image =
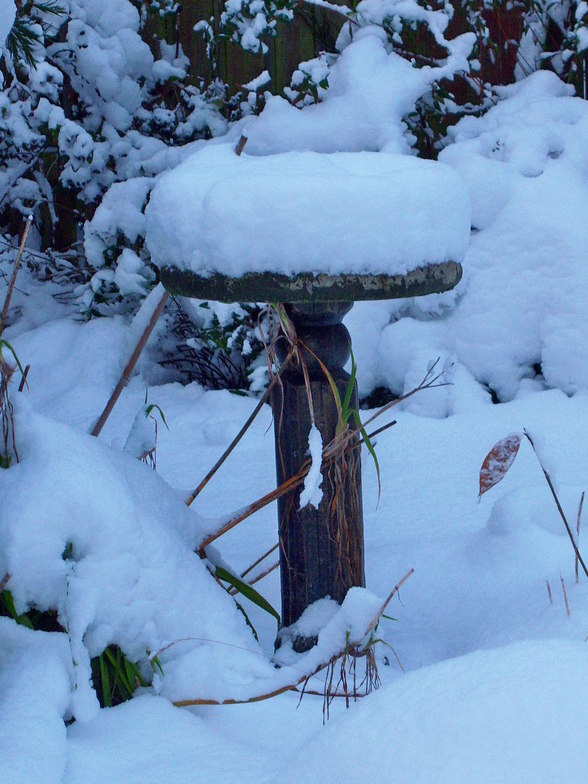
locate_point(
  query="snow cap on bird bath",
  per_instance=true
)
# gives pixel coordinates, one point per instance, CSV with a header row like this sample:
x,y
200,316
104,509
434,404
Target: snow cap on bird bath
x,y
219,223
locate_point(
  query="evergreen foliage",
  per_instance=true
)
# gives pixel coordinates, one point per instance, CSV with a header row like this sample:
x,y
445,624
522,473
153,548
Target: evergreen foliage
x,y
95,106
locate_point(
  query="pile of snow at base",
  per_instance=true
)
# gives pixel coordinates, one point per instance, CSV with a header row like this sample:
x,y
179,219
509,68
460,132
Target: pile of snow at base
x,y
35,687
326,213
517,309
508,715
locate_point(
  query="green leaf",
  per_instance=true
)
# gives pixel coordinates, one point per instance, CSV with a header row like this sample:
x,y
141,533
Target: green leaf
x,y
105,683
13,352
150,408
247,591
345,411
370,448
8,601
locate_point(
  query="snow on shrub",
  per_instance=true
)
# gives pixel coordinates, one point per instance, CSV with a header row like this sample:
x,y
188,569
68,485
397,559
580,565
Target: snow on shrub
x,y
514,322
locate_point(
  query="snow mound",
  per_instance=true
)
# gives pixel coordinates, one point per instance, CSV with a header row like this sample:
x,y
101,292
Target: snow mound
x,y
96,535
516,315
344,212
508,715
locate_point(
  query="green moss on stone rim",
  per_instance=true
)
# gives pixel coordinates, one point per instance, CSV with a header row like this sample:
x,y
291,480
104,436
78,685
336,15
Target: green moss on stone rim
x,y
306,287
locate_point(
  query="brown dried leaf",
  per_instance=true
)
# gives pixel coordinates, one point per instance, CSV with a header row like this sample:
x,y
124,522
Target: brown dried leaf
x,y
497,462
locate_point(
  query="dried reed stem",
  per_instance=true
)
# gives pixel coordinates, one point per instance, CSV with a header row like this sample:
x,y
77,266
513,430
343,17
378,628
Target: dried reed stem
x,y
558,505
565,595
578,521
273,567
352,650
12,283
240,145
126,374
23,380
240,434
259,560
264,574
392,593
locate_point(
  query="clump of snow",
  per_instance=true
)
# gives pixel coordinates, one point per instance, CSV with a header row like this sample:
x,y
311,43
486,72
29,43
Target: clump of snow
x,y
337,627
370,91
7,16
311,492
344,212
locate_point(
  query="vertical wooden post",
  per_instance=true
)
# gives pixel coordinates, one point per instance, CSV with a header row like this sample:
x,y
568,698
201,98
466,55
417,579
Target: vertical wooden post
x,y
321,550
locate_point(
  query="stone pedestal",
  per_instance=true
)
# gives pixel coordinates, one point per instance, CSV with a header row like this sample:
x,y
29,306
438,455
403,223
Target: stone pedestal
x,y
321,549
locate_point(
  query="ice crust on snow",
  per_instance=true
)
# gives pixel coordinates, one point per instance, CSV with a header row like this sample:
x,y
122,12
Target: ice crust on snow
x,y
306,212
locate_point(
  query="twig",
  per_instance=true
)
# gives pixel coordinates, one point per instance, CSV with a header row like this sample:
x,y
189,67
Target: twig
x,y
247,511
549,592
565,595
578,520
259,560
240,434
12,283
428,382
557,503
351,649
380,612
273,567
126,374
264,574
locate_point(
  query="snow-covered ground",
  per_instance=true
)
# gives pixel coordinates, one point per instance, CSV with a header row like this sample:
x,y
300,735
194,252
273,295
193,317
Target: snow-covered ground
x,y
494,680
494,688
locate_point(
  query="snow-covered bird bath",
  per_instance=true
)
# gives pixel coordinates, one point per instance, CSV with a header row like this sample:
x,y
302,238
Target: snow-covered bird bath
x,y
236,228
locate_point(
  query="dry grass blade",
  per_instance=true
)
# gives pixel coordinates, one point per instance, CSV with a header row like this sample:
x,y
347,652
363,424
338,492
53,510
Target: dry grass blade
x,y
241,432
558,505
565,596
578,521
240,145
375,620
